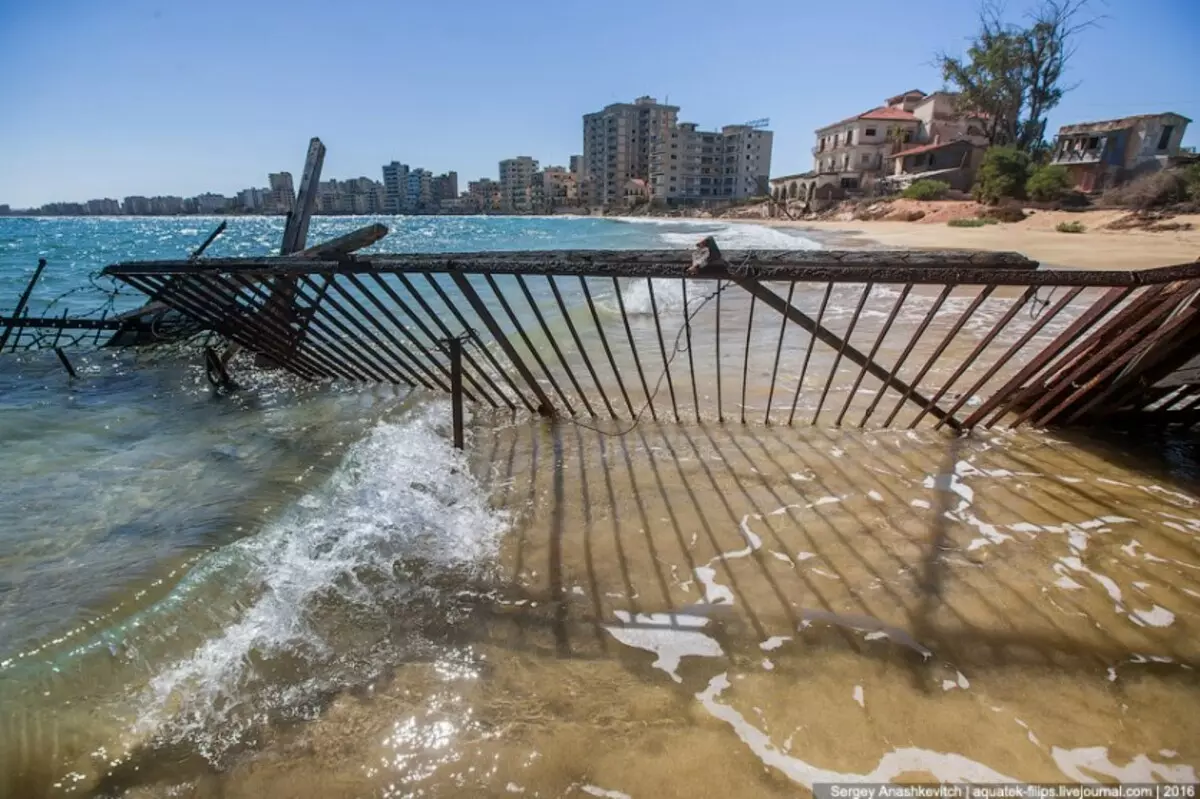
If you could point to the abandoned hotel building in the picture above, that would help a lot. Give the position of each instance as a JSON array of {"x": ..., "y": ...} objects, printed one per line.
[{"x": 1101, "y": 154}]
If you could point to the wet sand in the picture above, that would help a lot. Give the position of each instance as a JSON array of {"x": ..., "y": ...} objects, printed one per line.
[{"x": 729, "y": 611}]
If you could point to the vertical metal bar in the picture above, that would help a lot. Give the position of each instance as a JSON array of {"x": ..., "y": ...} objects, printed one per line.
[
  {"x": 456, "y": 390},
  {"x": 525, "y": 338},
  {"x": 211, "y": 238},
  {"x": 66, "y": 364},
  {"x": 812, "y": 339},
  {"x": 746, "y": 355},
  {"x": 562, "y": 306},
  {"x": 979, "y": 348},
  {"x": 912, "y": 342},
  {"x": 1013, "y": 350},
  {"x": 537, "y": 313},
  {"x": 887, "y": 325},
  {"x": 720, "y": 408},
  {"x": 862, "y": 301},
  {"x": 99, "y": 329},
  {"x": 778, "y": 352},
  {"x": 612, "y": 362},
  {"x": 58, "y": 332},
  {"x": 321, "y": 350},
  {"x": 21, "y": 303},
  {"x": 633, "y": 348},
  {"x": 457, "y": 314},
  {"x": 435, "y": 374},
  {"x": 546, "y": 408},
  {"x": 662, "y": 347},
  {"x": 941, "y": 347},
  {"x": 1003, "y": 399},
  {"x": 687, "y": 326},
  {"x": 423, "y": 328},
  {"x": 353, "y": 342}
]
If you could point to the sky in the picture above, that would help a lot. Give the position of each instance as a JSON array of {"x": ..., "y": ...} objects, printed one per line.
[{"x": 119, "y": 97}]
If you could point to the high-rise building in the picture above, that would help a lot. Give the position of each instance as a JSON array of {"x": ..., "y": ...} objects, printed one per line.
[
  {"x": 689, "y": 164},
  {"x": 395, "y": 186},
  {"x": 283, "y": 193},
  {"x": 136, "y": 206},
  {"x": 617, "y": 144},
  {"x": 445, "y": 187},
  {"x": 484, "y": 194},
  {"x": 105, "y": 207},
  {"x": 419, "y": 195},
  {"x": 517, "y": 176}
]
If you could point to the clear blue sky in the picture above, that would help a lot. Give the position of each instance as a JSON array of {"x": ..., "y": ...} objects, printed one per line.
[{"x": 106, "y": 98}]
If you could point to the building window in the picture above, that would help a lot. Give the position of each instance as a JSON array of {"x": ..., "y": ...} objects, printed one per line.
[
  {"x": 866, "y": 159},
  {"x": 1093, "y": 142},
  {"x": 1165, "y": 138},
  {"x": 849, "y": 137},
  {"x": 870, "y": 131}
]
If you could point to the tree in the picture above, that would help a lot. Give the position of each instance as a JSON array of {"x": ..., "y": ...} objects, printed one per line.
[
  {"x": 1048, "y": 183},
  {"x": 1002, "y": 175},
  {"x": 1012, "y": 75}
]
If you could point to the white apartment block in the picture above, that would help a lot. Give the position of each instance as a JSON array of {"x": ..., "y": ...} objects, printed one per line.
[
  {"x": 517, "y": 178},
  {"x": 690, "y": 165},
  {"x": 617, "y": 145},
  {"x": 395, "y": 186}
]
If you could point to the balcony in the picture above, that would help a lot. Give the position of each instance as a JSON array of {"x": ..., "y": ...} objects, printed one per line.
[{"x": 1078, "y": 156}]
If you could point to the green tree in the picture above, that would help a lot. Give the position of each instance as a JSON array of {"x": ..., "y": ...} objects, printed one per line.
[
  {"x": 926, "y": 190},
  {"x": 1048, "y": 183},
  {"x": 1012, "y": 75},
  {"x": 1002, "y": 175}
]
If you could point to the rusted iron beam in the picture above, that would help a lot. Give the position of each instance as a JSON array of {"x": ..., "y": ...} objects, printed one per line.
[
  {"x": 456, "y": 390},
  {"x": 541, "y": 320},
  {"x": 808, "y": 351},
  {"x": 841, "y": 266},
  {"x": 887, "y": 325},
  {"x": 1025, "y": 338},
  {"x": 663, "y": 347},
  {"x": 1092, "y": 354},
  {"x": 1004, "y": 398},
  {"x": 545, "y": 408},
  {"x": 566, "y": 314},
  {"x": 1154, "y": 328},
  {"x": 908, "y": 348},
  {"x": 862, "y": 301},
  {"x": 633, "y": 348},
  {"x": 196, "y": 253},
  {"x": 533, "y": 352},
  {"x": 452, "y": 307},
  {"x": 783, "y": 320},
  {"x": 587, "y": 294},
  {"x": 937, "y": 353},
  {"x": 830, "y": 339},
  {"x": 1001, "y": 323},
  {"x": 687, "y": 330}
]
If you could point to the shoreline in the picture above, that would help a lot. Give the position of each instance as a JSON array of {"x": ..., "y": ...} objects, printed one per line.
[{"x": 1035, "y": 238}]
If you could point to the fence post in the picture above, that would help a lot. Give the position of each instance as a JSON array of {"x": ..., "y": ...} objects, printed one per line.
[{"x": 456, "y": 389}]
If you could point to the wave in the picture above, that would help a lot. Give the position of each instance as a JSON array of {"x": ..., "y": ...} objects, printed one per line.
[
  {"x": 729, "y": 235},
  {"x": 336, "y": 576}
]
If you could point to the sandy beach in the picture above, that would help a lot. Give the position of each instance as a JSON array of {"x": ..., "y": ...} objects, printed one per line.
[{"x": 1035, "y": 237}]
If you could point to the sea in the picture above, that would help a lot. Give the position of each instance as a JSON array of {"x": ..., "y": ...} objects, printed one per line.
[{"x": 302, "y": 589}]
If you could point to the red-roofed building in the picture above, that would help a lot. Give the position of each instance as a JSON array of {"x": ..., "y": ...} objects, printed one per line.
[{"x": 855, "y": 153}]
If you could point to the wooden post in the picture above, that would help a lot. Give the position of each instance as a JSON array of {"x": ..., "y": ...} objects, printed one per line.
[
  {"x": 456, "y": 389},
  {"x": 21, "y": 303}
]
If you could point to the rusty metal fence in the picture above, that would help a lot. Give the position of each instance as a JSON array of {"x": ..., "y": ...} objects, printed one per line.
[{"x": 948, "y": 339}]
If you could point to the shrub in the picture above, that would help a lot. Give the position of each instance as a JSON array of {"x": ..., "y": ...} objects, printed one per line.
[
  {"x": 1048, "y": 183},
  {"x": 1191, "y": 176},
  {"x": 968, "y": 221},
  {"x": 926, "y": 190},
  {"x": 1002, "y": 175},
  {"x": 1070, "y": 227},
  {"x": 1004, "y": 213},
  {"x": 1154, "y": 190}
]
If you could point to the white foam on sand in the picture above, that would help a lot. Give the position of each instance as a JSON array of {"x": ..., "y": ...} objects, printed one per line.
[
  {"x": 671, "y": 636},
  {"x": 946, "y": 767}
]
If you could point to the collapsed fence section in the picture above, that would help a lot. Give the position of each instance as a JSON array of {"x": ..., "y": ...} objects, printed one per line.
[{"x": 952, "y": 340}]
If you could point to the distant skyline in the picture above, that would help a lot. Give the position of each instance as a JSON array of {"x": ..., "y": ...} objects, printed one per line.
[{"x": 132, "y": 97}]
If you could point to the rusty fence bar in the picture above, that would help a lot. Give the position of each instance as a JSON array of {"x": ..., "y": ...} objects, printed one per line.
[{"x": 955, "y": 339}]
